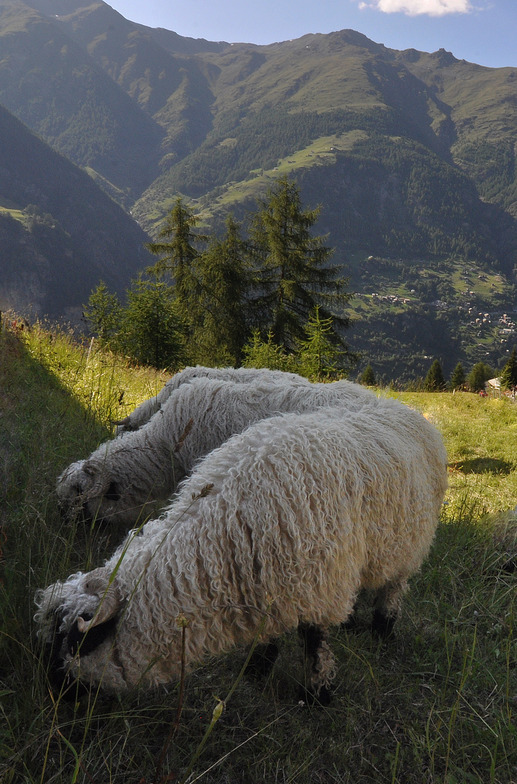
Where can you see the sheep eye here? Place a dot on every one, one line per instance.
(112, 493)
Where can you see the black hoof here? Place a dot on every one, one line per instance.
(262, 661)
(382, 625)
(320, 700)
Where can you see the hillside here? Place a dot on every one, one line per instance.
(411, 155)
(436, 702)
(59, 232)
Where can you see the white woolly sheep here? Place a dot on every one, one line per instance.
(279, 528)
(130, 476)
(143, 413)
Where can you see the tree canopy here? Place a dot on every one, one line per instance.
(293, 271)
(509, 372)
(434, 381)
(274, 292)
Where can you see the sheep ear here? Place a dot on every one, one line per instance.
(99, 481)
(119, 422)
(110, 601)
(88, 469)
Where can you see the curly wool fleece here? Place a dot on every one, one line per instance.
(127, 477)
(280, 526)
(143, 413)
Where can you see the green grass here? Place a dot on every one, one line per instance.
(321, 152)
(438, 703)
(17, 214)
(480, 434)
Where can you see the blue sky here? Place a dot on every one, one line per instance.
(481, 31)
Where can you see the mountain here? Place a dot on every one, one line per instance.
(411, 156)
(59, 233)
(52, 85)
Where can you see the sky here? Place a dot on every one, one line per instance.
(480, 31)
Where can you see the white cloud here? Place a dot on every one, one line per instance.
(416, 7)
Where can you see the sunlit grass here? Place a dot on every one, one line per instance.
(438, 703)
(481, 437)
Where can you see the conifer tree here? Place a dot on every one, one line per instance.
(151, 326)
(177, 248)
(458, 378)
(318, 357)
(368, 377)
(509, 372)
(478, 376)
(292, 268)
(224, 280)
(434, 381)
(259, 353)
(104, 315)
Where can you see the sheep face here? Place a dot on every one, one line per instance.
(89, 636)
(66, 629)
(85, 489)
(71, 485)
(97, 491)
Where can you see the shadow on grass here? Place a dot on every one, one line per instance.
(483, 465)
(43, 427)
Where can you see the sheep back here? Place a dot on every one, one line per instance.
(134, 473)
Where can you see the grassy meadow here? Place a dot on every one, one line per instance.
(436, 704)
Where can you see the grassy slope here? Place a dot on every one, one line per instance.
(437, 704)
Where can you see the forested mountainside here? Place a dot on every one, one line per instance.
(411, 155)
(59, 233)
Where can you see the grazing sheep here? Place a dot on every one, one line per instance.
(143, 413)
(279, 528)
(130, 476)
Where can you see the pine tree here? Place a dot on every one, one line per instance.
(225, 281)
(509, 372)
(259, 353)
(292, 268)
(104, 314)
(318, 357)
(434, 381)
(177, 248)
(478, 376)
(457, 379)
(368, 377)
(151, 326)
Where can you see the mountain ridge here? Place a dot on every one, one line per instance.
(410, 154)
(59, 233)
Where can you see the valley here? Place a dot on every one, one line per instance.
(409, 154)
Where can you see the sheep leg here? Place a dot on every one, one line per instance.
(321, 663)
(262, 660)
(387, 607)
(351, 624)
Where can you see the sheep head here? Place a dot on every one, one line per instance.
(95, 633)
(110, 487)
(77, 620)
(88, 489)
